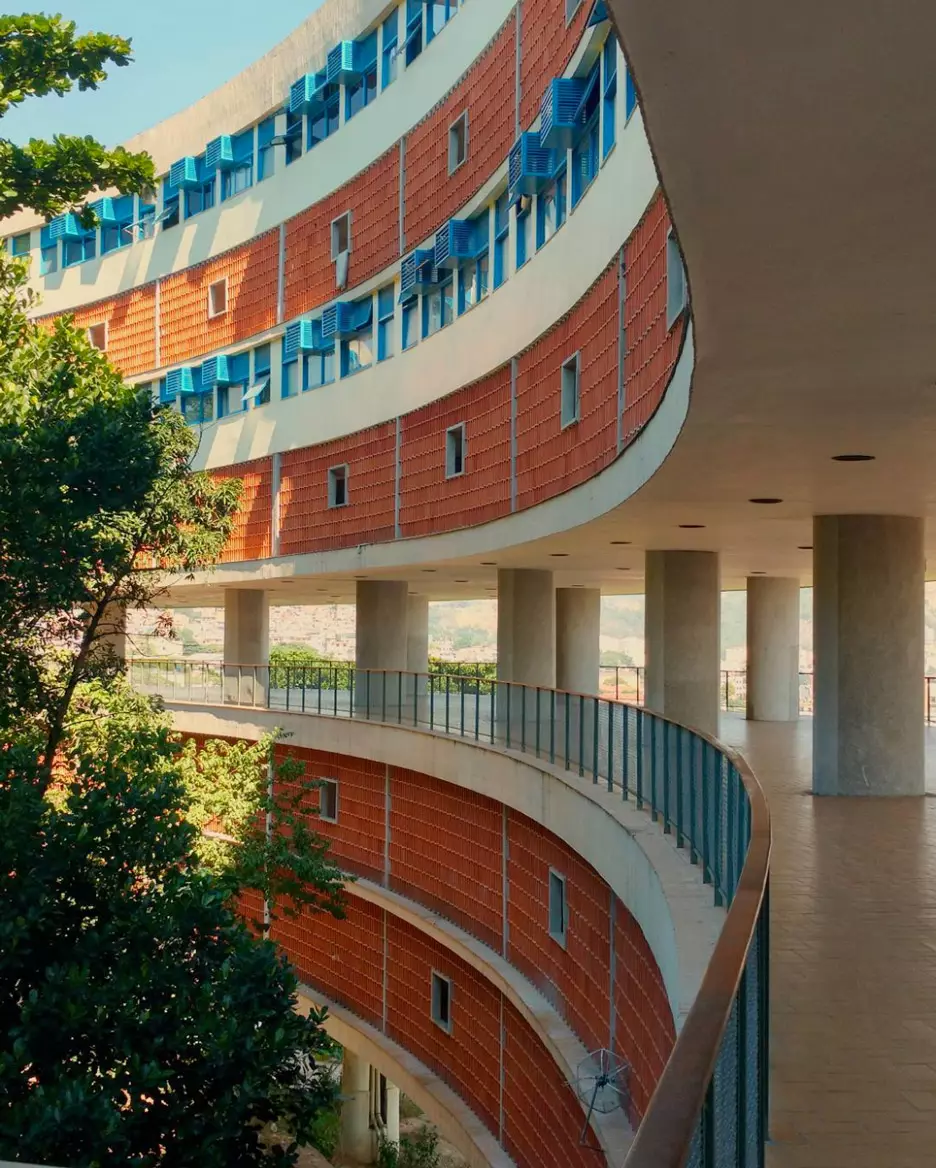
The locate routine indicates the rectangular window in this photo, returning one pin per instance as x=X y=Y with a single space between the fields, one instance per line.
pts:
x=438 y=14
x=48 y=254
x=550 y=210
x=169 y=216
x=571 y=6
x=291 y=372
x=391 y=31
x=328 y=800
x=232 y=397
x=501 y=232
x=338 y=486
x=410 y=318
x=236 y=180
x=260 y=389
x=266 y=157
x=20 y=244
x=198 y=408
x=569 y=406
x=438 y=306
x=609 y=99
x=77 y=251
x=361 y=93
x=630 y=94
x=97 y=337
x=341 y=235
x=524 y=230
x=455 y=451
x=318 y=369
x=414 y=30
x=585 y=151
x=675 y=281
x=458 y=142
x=293 y=138
x=386 y=319
x=558 y=911
x=324 y=124
x=217 y=298
x=472 y=283
x=442 y=1001
x=357 y=352
x=202 y=197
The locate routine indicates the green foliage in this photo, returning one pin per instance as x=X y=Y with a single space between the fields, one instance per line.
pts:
x=140 y=1023
x=41 y=55
x=95 y=488
x=417 y=1149
x=326 y=1131
x=295 y=665
x=616 y=657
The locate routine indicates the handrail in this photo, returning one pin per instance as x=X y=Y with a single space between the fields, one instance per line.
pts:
x=702 y=1111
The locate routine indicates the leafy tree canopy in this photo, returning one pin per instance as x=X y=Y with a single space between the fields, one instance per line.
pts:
x=41 y=55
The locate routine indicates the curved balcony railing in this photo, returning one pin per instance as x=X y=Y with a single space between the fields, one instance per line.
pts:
x=709 y=1109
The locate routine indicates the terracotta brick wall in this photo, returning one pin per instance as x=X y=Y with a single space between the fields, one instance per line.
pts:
x=546 y=44
x=373 y=198
x=131 y=328
x=432 y=195
x=429 y=501
x=252 y=537
x=187 y=333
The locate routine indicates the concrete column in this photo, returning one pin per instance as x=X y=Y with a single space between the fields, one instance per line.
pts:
x=417 y=648
x=246 y=646
x=357 y=1143
x=868 y=577
x=682 y=637
x=381 y=643
x=111 y=642
x=578 y=626
x=526 y=627
x=392 y=1117
x=773 y=613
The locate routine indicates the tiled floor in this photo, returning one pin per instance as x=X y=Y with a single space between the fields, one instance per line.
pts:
x=853 y=918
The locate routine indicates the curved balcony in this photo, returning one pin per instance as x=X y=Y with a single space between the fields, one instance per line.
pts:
x=709 y=1104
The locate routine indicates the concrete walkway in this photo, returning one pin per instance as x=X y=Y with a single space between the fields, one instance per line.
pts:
x=853 y=969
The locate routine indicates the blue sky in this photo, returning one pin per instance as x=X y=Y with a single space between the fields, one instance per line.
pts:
x=182 y=50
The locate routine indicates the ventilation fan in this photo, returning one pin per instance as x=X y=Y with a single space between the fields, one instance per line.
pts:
x=601 y=1081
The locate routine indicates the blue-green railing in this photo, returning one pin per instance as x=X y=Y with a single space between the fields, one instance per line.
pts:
x=710 y=1106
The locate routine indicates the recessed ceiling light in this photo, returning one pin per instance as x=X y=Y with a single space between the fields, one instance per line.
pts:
x=758 y=573
x=360 y=577
x=559 y=555
x=321 y=590
x=620 y=543
x=692 y=526
x=461 y=581
x=766 y=501
x=805 y=547
x=623 y=569
x=489 y=563
x=429 y=569
x=853 y=457
x=578 y=585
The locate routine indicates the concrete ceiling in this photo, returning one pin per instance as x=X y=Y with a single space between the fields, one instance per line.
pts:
x=794 y=144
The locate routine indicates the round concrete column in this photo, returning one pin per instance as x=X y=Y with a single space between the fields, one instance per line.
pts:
x=417 y=634
x=773 y=612
x=682 y=637
x=868 y=577
x=357 y=1144
x=526 y=627
x=578 y=626
x=246 y=646
x=381 y=643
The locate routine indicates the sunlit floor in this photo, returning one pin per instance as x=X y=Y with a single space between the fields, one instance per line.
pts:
x=853 y=918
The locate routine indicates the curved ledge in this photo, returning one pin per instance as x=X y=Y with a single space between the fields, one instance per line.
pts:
x=612 y=1130
x=631 y=854
x=447 y=1110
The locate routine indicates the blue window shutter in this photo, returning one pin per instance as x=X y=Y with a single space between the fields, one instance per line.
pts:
x=559 y=112
x=530 y=165
x=458 y=242
x=303 y=336
x=307 y=95
x=341 y=68
x=215 y=371
x=105 y=210
x=219 y=153
x=183 y=174
x=180 y=381
x=65 y=227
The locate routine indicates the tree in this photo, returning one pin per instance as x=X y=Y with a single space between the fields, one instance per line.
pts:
x=40 y=55
x=96 y=490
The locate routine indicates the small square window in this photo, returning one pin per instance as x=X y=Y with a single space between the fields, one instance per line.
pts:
x=455 y=451
x=458 y=142
x=338 y=486
x=328 y=800
x=442 y=1001
x=569 y=407
x=20 y=244
x=558 y=910
x=572 y=6
x=341 y=235
x=675 y=281
x=97 y=336
x=217 y=298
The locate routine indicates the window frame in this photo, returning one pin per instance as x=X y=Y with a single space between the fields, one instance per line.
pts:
x=213 y=311
x=456 y=434
x=461 y=120
x=335 y=237
x=560 y=934
x=333 y=480
x=571 y=365
x=101 y=324
x=571 y=9
x=331 y=785
x=673 y=250
x=436 y=982
x=386 y=321
x=18 y=238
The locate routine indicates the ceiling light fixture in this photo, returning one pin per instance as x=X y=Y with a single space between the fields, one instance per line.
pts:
x=805 y=547
x=461 y=581
x=766 y=501
x=429 y=569
x=620 y=543
x=757 y=573
x=559 y=555
x=489 y=563
x=853 y=457
x=692 y=526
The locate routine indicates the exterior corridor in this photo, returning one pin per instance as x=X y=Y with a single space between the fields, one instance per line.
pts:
x=853 y=964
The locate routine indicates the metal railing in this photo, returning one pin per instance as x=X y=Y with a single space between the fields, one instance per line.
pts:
x=709 y=1109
